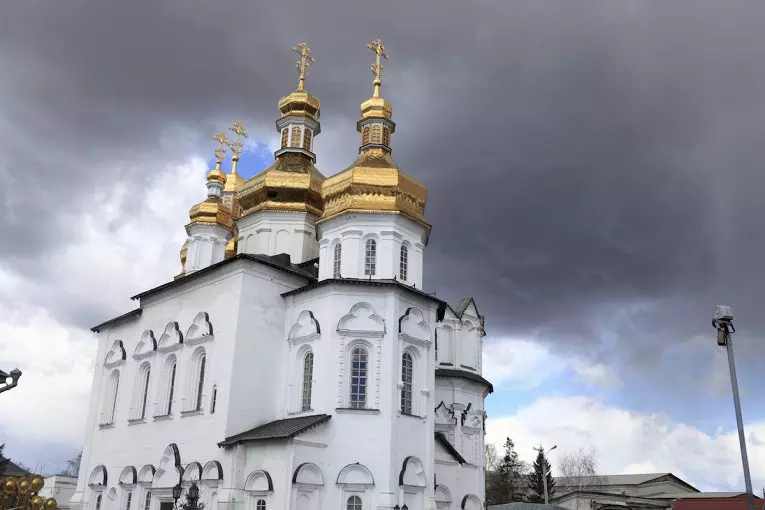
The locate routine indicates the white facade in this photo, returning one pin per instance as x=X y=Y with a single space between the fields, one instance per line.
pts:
x=277 y=232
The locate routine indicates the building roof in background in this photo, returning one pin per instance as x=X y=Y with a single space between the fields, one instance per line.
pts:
x=279 y=429
x=585 y=482
x=736 y=502
x=12 y=469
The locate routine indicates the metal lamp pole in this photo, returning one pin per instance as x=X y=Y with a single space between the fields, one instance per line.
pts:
x=544 y=469
x=723 y=322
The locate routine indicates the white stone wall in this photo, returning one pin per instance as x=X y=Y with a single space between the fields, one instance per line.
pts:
x=389 y=231
x=276 y=232
x=206 y=245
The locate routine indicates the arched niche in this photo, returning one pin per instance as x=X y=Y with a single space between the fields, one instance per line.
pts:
x=259 y=482
x=305 y=329
x=112 y=494
x=471 y=502
x=128 y=476
x=212 y=473
x=355 y=476
x=171 y=338
x=116 y=355
x=146 y=475
x=146 y=346
x=192 y=473
x=412 y=473
x=443 y=497
x=201 y=329
x=362 y=321
x=98 y=477
x=308 y=473
x=412 y=327
x=170 y=472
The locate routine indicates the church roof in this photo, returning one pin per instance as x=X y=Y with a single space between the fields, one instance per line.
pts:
x=363 y=281
x=276 y=262
x=117 y=320
x=13 y=469
x=441 y=439
x=279 y=429
x=464 y=374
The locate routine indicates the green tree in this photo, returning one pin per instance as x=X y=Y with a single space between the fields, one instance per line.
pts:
x=535 y=483
x=505 y=485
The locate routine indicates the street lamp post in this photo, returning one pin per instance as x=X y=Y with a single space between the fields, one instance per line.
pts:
x=13 y=376
x=723 y=323
x=544 y=470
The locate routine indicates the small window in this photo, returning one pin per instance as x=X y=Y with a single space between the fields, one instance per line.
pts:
x=128 y=500
x=358 y=378
x=376 y=133
x=295 y=142
x=261 y=505
x=307 y=134
x=386 y=136
x=370 y=257
x=201 y=384
x=337 y=261
x=407 y=366
x=365 y=135
x=307 y=382
x=354 y=503
x=98 y=502
x=147 y=502
x=403 y=264
x=285 y=135
x=213 y=398
x=172 y=389
x=110 y=398
x=145 y=396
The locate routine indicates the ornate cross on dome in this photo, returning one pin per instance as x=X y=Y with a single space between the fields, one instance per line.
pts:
x=240 y=131
x=220 y=152
x=304 y=63
x=377 y=67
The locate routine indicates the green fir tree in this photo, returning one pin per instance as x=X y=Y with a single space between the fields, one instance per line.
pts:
x=535 y=482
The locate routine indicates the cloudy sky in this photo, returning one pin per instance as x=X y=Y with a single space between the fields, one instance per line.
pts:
x=595 y=171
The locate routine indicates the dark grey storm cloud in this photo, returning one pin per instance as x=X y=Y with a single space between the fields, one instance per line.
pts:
x=581 y=157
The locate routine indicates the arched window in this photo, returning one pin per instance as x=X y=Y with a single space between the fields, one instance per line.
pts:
x=166 y=391
x=337 y=260
x=98 y=502
x=295 y=142
x=407 y=372
x=370 y=257
x=307 y=382
x=201 y=383
x=141 y=393
x=213 y=399
x=354 y=503
x=307 y=134
x=359 y=361
x=145 y=396
x=128 y=500
x=285 y=134
x=261 y=505
x=147 y=503
x=171 y=386
x=403 y=263
x=110 y=398
x=365 y=135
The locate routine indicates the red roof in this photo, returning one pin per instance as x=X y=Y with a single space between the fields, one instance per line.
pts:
x=735 y=503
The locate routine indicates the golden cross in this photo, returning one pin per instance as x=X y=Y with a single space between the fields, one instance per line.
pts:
x=377 y=67
x=222 y=143
x=240 y=131
x=304 y=63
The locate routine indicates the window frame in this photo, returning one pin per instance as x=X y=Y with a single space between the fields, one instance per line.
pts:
x=306 y=390
x=358 y=504
x=361 y=380
x=403 y=263
x=337 y=261
x=407 y=386
x=370 y=257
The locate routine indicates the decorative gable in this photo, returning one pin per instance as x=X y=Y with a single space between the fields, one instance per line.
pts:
x=200 y=330
x=146 y=347
x=413 y=328
x=444 y=415
x=305 y=329
x=116 y=355
x=362 y=321
x=171 y=338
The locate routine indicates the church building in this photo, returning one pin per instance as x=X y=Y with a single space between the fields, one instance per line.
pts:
x=297 y=361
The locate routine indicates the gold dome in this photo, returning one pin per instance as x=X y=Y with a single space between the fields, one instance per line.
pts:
x=300 y=103
x=291 y=183
x=212 y=210
x=376 y=107
x=374 y=183
x=233 y=183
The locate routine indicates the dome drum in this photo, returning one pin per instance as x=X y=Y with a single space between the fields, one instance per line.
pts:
x=375 y=133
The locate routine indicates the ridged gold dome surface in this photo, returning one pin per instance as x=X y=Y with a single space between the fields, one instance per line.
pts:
x=291 y=183
x=374 y=183
x=300 y=103
x=376 y=107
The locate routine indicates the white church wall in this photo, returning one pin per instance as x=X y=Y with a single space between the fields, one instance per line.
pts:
x=276 y=232
x=389 y=231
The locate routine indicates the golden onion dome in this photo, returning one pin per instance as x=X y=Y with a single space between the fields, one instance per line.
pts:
x=374 y=184
x=300 y=103
x=212 y=210
x=291 y=183
x=376 y=107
